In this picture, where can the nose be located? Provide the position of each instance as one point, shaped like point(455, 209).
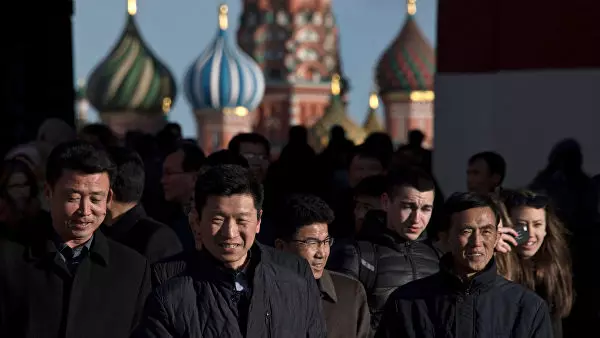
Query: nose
point(476, 239)
point(85, 207)
point(229, 229)
point(414, 216)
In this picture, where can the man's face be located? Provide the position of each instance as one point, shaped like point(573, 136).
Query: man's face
point(409, 211)
point(227, 228)
point(178, 185)
point(312, 243)
point(472, 238)
point(479, 178)
point(257, 157)
point(361, 167)
point(78, 203)
point(362, 205)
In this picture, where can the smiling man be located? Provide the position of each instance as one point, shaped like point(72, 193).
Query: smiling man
point(67, 279)
point(234, 287)
point(302, 224)
point(467, 298)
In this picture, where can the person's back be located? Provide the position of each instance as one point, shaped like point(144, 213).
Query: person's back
point(467, 298)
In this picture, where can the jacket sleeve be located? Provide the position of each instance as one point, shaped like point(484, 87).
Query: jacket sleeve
point(542, 323)
point(155, 320)
point(363, 327)
point(344, 259)
point(163, 244)
point(145, 288)
point(316, 326)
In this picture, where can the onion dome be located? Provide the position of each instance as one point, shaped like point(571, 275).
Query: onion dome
point(131, 77)
point(335, 114)
point(372, 124)
point(408, 64)
point(224, 76)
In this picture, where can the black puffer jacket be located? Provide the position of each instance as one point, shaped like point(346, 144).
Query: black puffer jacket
point(443, 306)
point(394, 260)
point(197, 301)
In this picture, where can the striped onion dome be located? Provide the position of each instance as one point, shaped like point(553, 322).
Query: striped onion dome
point(335, 114)
point(224, 76)
point(131, 77)
point(408, 64)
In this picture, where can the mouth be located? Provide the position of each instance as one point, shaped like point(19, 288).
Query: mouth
point(529, 244)
point(229, 246)
point(318, 265)
point(475, 255)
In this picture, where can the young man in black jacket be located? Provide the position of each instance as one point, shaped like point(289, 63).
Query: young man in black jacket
point(234, 287)
point(467, 298)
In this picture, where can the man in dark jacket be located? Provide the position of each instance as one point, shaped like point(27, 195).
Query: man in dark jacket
point(126, 221)
point(67, 279)
point(234, 287)
point(393, 248)
point(302, 223)
point(467, 298)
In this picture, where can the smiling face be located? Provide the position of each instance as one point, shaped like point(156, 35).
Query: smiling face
point(228, 226)
point(535, 221)
point(472, 239)
point(78, 203)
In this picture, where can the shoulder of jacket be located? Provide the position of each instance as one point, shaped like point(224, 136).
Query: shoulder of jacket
point(345, 279)
point(122, 253)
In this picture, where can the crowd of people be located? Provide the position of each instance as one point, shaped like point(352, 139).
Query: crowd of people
point(150, 237)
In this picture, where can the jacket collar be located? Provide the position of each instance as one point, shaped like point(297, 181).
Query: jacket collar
point(121, 228)
point(327, 287)
point(481, 280)
point(43, 246)
point(213, 269)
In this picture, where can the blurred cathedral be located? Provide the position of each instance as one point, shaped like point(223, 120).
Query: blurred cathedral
point(284, 70)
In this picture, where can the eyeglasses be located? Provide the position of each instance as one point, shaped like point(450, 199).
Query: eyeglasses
point(314, 244)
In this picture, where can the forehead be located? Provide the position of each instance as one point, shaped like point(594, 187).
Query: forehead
point(479, 164)
point(316, 230)
point(408, 193)
point(528, 212)
point(234, 204)
point(80, 181)
point(476, 217)
point(174, 160)
point(251, 147)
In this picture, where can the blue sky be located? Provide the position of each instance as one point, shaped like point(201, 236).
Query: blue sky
point(178, 31)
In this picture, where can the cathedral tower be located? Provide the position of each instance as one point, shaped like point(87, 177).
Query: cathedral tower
point(295, 42)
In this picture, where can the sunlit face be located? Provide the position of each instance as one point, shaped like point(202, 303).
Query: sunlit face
point(535, 221)
point(256, 155)
point(78, 203)
point(313, 243)
point(479, 178)
point(409, 212)
point(178, 185)
point(228, 226)
point(472, 238)
point(361, 167)
point(362, 205)
point(18, 189)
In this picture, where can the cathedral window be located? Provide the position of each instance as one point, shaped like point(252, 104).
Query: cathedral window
point(300, 19)
point(307, 35)
point(330, 62)
point(317, 19)
point(329, 21)
point(329, 43)
point(282, 18)
point(307, 54)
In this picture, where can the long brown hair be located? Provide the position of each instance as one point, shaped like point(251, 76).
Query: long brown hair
point(505, 263)
point(549, 271)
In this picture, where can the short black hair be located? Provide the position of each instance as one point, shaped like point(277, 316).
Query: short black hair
point(130, 176)
point(102, 133)
point(372, 151)
point(298, 211)
point(193, 156)
point(255, 138)
point(494, 161)
point(372, 186)
point(226, 156)
point(79, 156)
point(226, 180)
point(413, 177)
point(462, 201)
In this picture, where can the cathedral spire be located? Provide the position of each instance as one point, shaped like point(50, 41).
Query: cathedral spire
point(411, 7)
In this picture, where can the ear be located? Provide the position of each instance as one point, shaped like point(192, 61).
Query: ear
point(109, 197)
point(496, 179)
point(259, 216)
point(280, 244)
point(47, 192)
point(385, 201)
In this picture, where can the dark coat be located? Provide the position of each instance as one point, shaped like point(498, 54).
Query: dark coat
point(152, 239)
point(198, 302)
point(443, 306)
point(40, 298)
point(345, 306)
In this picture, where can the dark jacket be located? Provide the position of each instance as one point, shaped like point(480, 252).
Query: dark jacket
point(198, 301)
point(152, 239)
point(40, 298)
point(443, 306)
point(397, 262)
point(345, 306)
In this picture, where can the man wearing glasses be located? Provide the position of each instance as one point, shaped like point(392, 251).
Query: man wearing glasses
point(302, 224)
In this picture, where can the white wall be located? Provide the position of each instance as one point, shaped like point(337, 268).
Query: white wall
point(519, 114)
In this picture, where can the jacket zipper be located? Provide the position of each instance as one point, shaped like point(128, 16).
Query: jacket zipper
point(410, 260)
point(268, 322)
